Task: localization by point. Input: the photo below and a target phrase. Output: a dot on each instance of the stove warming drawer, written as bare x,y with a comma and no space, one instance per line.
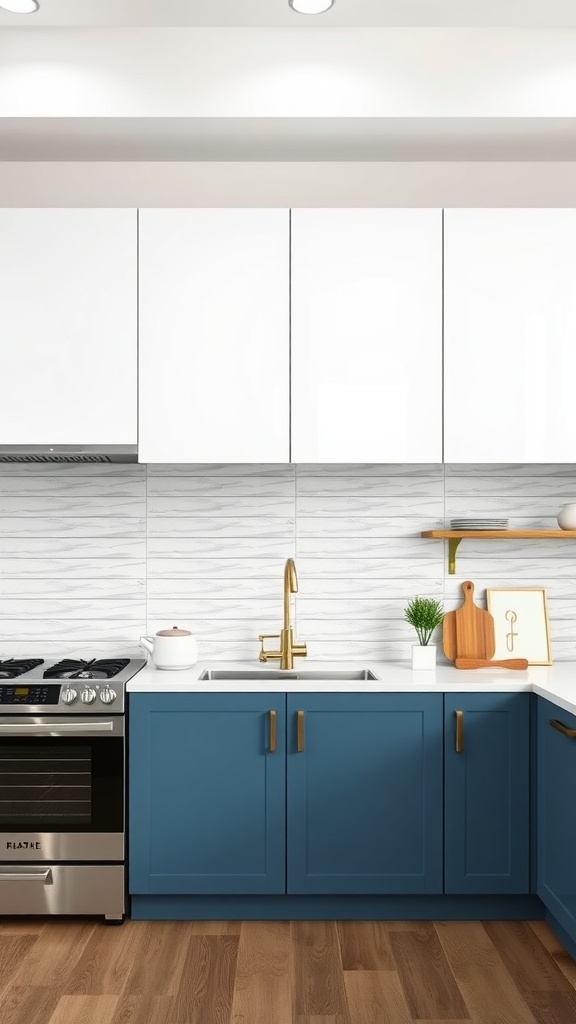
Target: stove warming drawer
63,889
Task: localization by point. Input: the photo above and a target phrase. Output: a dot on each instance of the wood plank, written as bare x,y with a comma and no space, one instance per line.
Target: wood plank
104,964
546,936
27,1004
376,997
466,943
525,958
317,977
364,946
262,990
563,959
13,950
333,1018
214,927
488,990
206,984
144,1009
84,1010
553,1007
150,961
52,961
426,978
25,926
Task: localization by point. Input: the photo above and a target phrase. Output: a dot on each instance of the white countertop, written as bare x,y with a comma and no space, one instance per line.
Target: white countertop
557,683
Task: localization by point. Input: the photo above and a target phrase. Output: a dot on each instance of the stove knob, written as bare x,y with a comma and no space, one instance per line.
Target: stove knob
69,695
88,695
107,695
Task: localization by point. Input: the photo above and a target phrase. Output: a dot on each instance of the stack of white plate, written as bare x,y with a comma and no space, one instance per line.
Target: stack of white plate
479,524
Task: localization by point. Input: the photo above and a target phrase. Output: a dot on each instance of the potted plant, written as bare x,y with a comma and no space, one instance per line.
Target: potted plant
425,614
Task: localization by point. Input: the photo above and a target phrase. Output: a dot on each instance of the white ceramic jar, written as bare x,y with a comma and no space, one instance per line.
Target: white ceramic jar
567,517
172,648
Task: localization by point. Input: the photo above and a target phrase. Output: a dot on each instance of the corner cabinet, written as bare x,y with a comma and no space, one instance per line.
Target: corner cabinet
68,323
487,810
207,793
366,335
214,369
510,321
364,793
556,846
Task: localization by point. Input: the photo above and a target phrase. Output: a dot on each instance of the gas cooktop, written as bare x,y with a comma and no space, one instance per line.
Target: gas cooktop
69,668
71,685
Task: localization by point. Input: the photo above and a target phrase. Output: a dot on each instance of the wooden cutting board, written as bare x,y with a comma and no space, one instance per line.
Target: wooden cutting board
469,631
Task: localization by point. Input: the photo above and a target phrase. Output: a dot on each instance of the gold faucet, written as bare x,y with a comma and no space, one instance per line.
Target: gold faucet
288,649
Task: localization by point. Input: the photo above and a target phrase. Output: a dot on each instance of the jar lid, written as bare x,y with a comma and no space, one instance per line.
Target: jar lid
174,632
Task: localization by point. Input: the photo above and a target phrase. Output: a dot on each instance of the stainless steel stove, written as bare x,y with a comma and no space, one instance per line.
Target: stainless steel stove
62,785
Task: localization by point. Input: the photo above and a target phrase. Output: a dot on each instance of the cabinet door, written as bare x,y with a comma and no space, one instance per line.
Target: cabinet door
367,335
214,336
207,793
487,793
556,872
365,793
510,325
68,313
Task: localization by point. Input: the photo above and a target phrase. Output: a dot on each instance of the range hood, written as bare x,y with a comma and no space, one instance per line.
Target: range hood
68,453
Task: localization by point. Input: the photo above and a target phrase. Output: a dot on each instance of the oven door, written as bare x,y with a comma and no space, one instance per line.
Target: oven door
61,788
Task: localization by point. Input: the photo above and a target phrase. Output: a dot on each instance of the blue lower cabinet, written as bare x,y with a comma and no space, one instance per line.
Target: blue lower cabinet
207,793
556,849
487,794
364,783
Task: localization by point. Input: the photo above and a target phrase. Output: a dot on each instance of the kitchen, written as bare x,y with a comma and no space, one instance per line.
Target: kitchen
271,170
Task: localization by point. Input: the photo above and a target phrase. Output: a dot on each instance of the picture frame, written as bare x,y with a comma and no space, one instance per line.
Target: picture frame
521,623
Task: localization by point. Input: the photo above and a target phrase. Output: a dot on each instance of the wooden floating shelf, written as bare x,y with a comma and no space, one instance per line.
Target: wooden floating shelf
455,536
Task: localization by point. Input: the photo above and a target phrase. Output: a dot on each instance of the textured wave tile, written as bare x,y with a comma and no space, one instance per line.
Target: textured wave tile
97,555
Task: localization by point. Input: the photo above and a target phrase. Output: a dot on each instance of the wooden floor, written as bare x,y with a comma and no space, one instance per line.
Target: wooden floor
394,972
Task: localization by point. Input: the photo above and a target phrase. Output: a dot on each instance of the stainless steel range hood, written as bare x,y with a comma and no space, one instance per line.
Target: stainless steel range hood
56,453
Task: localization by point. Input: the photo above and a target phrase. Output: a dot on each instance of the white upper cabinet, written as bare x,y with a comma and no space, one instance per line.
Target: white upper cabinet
214,335
510,335
367,335
68,349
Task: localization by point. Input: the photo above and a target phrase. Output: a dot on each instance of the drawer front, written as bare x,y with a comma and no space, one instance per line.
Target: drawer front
62,889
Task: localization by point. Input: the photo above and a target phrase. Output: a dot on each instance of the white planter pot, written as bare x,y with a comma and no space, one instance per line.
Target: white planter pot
424,657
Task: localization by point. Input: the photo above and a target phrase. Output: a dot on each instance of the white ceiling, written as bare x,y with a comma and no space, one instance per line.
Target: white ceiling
276,13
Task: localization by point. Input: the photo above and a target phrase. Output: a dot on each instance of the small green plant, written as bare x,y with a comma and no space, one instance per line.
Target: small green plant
425,614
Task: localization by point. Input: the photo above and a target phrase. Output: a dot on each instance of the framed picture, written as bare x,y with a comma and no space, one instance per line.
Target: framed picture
521,623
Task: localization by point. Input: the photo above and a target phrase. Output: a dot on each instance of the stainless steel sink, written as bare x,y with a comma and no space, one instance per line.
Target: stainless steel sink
360,675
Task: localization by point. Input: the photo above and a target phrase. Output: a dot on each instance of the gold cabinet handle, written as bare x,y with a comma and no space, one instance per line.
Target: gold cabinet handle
570,733
273,731
300,731
459,731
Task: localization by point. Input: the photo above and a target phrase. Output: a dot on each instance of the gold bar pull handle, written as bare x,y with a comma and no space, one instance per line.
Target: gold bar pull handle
300,731
459,731
273,731
570,733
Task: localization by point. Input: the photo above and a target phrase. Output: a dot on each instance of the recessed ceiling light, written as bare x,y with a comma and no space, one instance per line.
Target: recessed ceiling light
311,6
20,6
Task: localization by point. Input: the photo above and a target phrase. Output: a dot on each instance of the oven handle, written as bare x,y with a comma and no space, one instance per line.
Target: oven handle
24,876
39,728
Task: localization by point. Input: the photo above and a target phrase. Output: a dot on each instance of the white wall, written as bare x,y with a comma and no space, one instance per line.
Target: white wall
288,184
93,556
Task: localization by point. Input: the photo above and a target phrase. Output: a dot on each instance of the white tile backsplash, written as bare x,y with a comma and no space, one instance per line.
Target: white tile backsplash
91,557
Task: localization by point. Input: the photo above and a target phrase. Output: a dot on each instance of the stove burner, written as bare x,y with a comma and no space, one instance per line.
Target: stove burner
71,668
12,668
